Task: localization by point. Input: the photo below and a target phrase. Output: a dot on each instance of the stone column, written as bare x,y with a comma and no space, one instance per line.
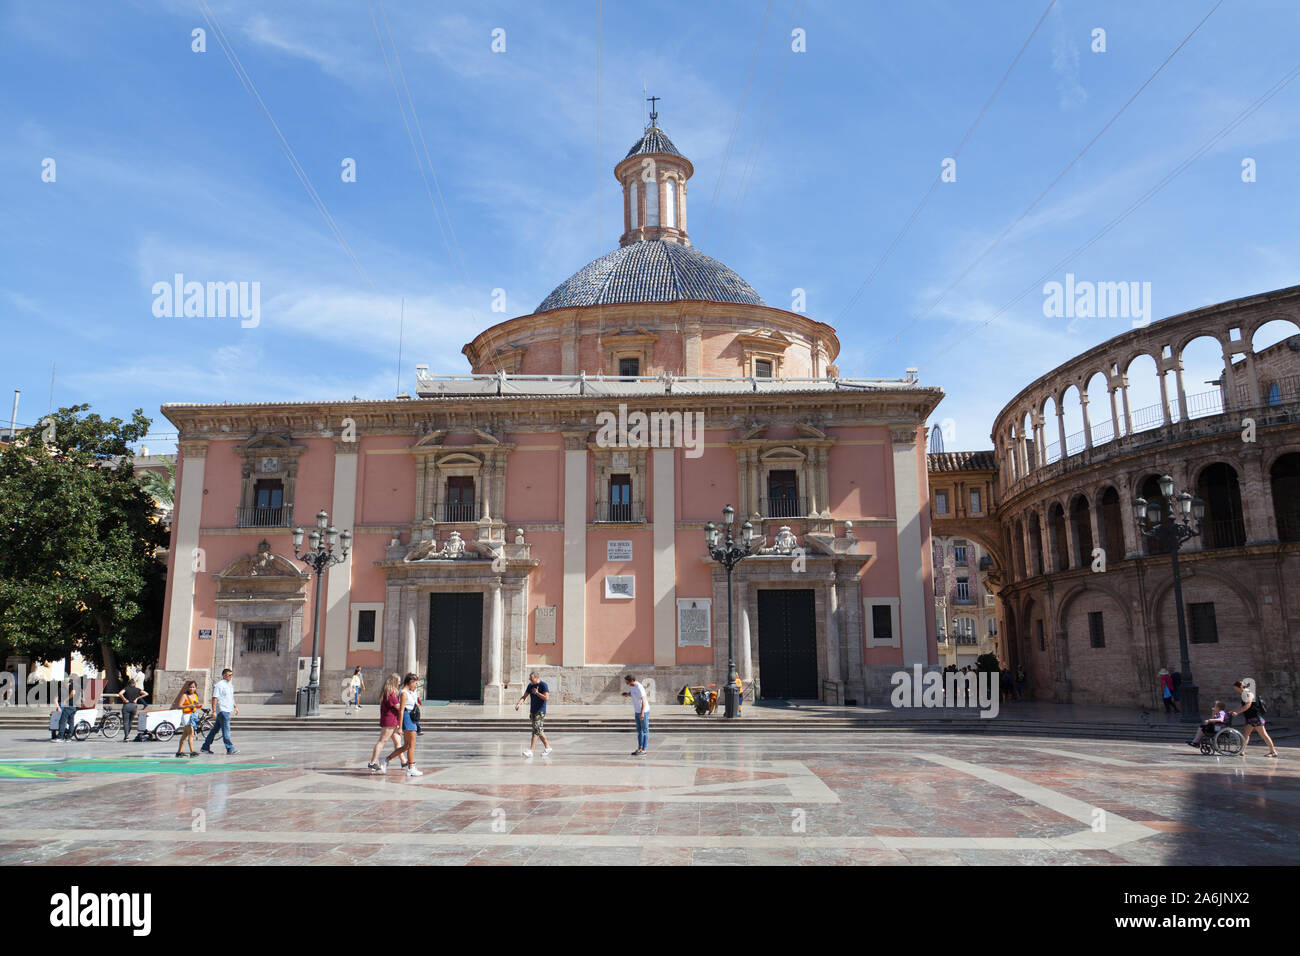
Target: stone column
1071,545
188,557
832,630
1087,427
1229,388
410,661
1164,397
745,654
1114,414
1182,393
1132,538
1128,415
1060,428
1256,499
492,693
1094,521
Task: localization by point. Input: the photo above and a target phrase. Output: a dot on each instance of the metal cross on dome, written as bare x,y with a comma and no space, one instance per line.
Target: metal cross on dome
654,115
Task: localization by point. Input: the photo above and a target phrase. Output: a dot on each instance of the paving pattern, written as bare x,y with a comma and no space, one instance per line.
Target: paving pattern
816,799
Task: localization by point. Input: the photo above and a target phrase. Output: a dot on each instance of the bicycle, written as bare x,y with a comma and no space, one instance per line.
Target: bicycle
107,723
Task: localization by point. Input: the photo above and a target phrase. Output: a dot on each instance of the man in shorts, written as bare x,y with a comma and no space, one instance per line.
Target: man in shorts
537,694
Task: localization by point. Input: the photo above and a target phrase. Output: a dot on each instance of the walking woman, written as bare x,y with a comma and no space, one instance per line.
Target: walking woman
1167,691
390,724
410,700
1254,719
187,702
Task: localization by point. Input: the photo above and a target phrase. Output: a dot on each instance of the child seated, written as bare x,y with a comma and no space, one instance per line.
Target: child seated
1218,717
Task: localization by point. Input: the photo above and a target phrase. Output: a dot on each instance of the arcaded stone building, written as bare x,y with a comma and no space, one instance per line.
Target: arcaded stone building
1088,601
546,509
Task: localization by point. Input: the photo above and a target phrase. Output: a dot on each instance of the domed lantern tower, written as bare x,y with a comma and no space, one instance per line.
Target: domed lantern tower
653,175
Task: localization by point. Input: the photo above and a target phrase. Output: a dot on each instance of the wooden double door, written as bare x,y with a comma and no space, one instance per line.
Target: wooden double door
455,646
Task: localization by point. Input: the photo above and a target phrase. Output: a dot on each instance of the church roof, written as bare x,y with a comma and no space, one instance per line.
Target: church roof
654,270
961,461
653,141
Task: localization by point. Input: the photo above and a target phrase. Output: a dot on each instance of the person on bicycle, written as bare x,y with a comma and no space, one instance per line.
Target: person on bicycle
187,702
132,697
1218,717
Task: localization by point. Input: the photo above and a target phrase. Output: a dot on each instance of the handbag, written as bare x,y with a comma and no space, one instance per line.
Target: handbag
415,714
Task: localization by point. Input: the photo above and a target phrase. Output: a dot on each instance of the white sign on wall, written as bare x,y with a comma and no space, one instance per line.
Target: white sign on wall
620,586
694,622
544,625
618,550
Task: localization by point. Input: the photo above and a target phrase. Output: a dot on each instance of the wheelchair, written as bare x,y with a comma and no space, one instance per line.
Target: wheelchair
1227,741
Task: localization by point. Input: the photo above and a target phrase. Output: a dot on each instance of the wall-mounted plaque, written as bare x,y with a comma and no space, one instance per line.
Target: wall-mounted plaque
205,634
694,622
618,550
270,464
620,586
544,625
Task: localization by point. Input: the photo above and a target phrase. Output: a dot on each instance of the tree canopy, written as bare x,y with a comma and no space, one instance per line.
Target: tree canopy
78,543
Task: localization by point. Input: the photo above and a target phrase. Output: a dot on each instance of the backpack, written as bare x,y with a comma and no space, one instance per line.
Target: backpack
1260,709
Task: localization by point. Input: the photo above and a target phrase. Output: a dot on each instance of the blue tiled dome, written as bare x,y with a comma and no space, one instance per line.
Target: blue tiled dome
654,141
652,271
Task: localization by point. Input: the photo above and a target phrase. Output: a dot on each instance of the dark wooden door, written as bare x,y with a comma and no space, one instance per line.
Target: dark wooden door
455,646
787,644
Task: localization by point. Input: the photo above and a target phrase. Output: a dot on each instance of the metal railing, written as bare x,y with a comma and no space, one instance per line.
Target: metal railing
281,517
783,507
458,511
1223,533
631,512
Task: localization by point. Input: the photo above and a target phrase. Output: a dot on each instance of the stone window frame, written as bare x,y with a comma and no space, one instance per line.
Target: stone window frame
434,465
456,464
354,628
807,454
635,343
765,345
868,620
268,445
602,467
780,459
947,501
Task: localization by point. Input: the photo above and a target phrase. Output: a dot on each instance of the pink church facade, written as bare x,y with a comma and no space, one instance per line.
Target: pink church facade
546,510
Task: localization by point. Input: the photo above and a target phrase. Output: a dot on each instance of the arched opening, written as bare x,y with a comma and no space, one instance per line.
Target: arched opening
1145,408
1151,492
1100,423
1031,446
1202,376
1018,549
1284,477
1051,432
1072,414
1081,530
1223,526
1057,531
1035,544
1111,524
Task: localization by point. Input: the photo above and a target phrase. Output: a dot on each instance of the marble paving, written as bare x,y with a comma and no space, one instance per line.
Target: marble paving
820,799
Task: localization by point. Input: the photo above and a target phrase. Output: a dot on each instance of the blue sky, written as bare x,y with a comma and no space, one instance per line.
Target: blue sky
165,164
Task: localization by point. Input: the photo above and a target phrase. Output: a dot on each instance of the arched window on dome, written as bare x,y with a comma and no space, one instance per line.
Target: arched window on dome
652,203
670,203
636,210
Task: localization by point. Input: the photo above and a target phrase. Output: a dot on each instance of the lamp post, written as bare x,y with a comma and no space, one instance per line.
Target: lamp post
729,552
1169,523
324,540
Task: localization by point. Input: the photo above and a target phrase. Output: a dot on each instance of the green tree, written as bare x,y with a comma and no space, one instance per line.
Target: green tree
161,487
78,539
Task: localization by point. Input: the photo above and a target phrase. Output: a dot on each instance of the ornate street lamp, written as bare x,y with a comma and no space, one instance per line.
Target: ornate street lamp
1170,523
729,552
328,547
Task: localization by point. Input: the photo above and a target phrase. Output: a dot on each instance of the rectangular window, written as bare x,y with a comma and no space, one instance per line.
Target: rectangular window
1202,626
365,627
964,630
941,502
993,627
261,639
1096,631
460,499
629,367
782,494
974,502
882,622
959,555
963,590
269,493
620,497
1038,627
762,368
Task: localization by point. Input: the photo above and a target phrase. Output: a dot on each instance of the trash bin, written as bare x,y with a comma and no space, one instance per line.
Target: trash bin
301,708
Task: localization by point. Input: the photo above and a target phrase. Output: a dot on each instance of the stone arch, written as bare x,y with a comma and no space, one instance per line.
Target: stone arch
1100,426
1052,450
1284,487
1056,537
1276,324
1146,409
1149,488
1080,530
1200,364
1218,485
1110,522
1105,673
1072,414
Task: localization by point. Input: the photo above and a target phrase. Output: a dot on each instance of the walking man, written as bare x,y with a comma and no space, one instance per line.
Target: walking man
641,710
537,694
223,706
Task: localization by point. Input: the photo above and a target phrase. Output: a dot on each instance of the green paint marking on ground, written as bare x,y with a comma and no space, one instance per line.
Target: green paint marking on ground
9,770
197,765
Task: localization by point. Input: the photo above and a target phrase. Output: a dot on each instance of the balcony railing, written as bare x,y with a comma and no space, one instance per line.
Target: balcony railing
458,511
1223,533
783,507
632,512
281,517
